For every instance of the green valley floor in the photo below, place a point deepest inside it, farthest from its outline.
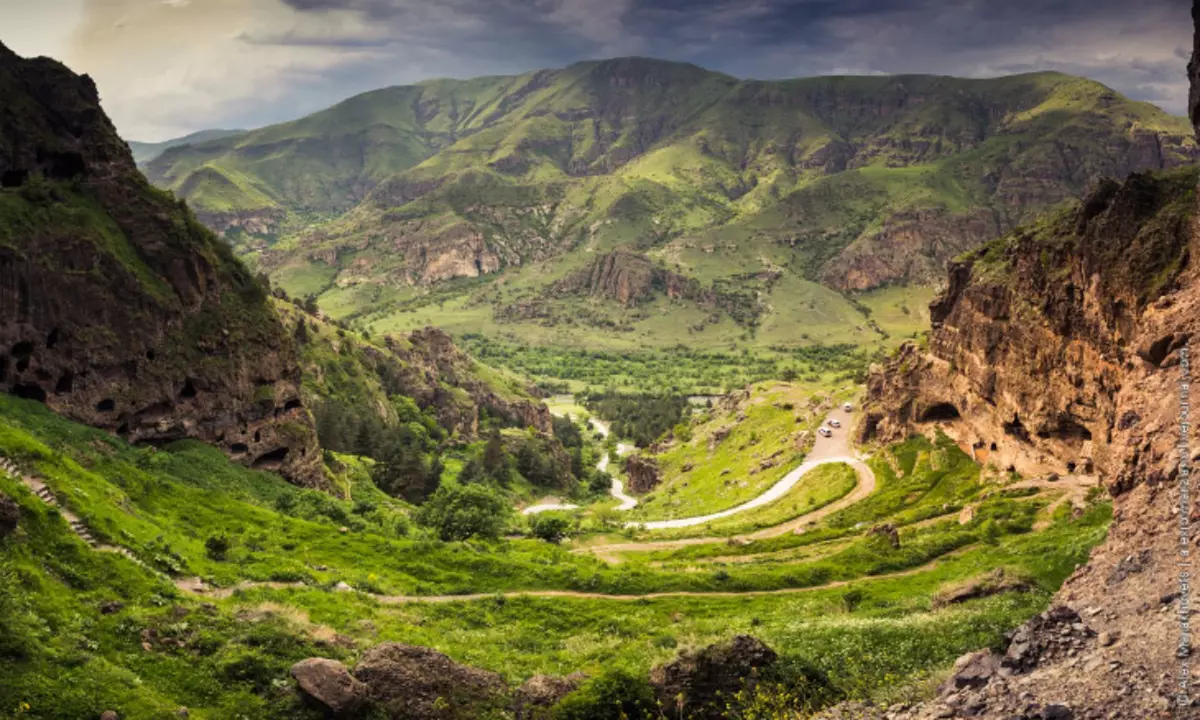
(226, 577)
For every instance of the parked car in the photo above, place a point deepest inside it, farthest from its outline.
(847, 407)
(825, 432)
(834, 422)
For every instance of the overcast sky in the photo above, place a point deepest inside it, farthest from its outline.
(169, 67)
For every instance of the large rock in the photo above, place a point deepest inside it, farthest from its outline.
(643, 474)
(117, 308)
(329, 685)
(10, 515)
(416, 683)
(973, 670)
(539, 693)
(698, 684)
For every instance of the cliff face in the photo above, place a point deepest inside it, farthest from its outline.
(1057, 350)
(629, 278)
(119, 310)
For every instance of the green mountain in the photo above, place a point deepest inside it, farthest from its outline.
(743, 209)
(144, 152)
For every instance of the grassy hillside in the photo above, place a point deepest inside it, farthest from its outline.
(86, 631)
(144, 152)
(767, 208)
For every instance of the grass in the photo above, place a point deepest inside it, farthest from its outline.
(703, 476)
(871, 636)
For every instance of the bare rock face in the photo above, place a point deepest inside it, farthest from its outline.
(117, 308)
(10, 515)
(697, 685)
(539, 693)
(330, 686)
(416, 683)
(629, 278)
(1058, 350)
(643, 473)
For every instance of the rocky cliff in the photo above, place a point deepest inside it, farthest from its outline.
(117, 308)
(1058, 349)
(629, 278)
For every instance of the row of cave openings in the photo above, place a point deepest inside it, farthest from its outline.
(1066, 430)
(18, 360)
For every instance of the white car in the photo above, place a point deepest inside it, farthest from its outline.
(846, 407)
(834, 422)
(825, 432)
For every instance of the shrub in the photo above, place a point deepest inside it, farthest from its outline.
(217, 547)
(615, 694)
(458, 512)
(552, 527)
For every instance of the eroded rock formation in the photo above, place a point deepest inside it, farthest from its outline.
(643, 473)
(1058, 349)
(117, 308)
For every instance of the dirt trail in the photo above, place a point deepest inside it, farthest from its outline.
(196, 587)
(77, 525)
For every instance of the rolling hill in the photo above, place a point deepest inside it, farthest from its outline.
(635, 203)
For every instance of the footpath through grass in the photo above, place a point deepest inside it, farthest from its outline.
(76, 622)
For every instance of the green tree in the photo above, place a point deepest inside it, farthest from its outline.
(458, 512)
(552, 527)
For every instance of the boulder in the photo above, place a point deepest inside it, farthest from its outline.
(329, 685)
(539, 693)
(10, 515)
(697, 684)
(973, 670)
(415, 683)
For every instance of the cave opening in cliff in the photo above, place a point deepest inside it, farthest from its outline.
(270, 460)
(1067, 430)
(106, 405)
(939, 413)
(65, 384)
(239, 448)
(52, 339)
(29, 391)
(992, 447)
(1016, 429)
(189, 390)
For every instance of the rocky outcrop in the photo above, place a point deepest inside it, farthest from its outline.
(537, 695)
(643, 473)
(329, 686)
(117, 308)
(417, 683)
(10, 515)
(911, 246)
(434, 368)
(629, 278)
(699, 684)
(1059, 349)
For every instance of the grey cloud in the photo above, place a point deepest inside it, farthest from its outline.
(1139, 50)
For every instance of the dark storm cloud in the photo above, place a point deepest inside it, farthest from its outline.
(308, 54)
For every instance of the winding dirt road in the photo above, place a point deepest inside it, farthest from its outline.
(618, 487)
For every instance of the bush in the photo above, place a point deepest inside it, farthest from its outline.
(615, 694)
(458, 512)
(217, 547)
(552, 527)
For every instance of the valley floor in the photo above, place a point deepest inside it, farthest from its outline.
(874, 593)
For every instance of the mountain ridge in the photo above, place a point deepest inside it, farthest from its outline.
(850, 182)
